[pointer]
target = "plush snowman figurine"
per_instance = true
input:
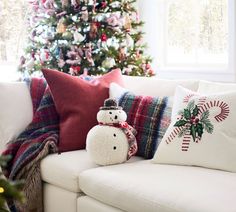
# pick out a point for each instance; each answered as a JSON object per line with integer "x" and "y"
{"x": 112, "y": 141}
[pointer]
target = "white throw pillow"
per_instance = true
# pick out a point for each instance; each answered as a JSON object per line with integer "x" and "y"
{"x": 15, "y": 110}
{"x": 203, "y": 133}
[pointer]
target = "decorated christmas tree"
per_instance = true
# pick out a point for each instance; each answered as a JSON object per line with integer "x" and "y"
{"x": 9, "y": 191}
{"x": 85, "y": 36}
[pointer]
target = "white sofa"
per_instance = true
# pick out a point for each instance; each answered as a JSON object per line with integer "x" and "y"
{"x": 72, "y": 182}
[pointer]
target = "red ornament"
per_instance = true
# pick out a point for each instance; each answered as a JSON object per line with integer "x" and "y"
{"x": 76, "y": 68}
{"x": 98, "y": 24}
{"x": 33, "y": 54}
{"x": 104, "y": 37}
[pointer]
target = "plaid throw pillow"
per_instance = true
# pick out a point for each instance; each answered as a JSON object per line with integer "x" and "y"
{"x": 150, "y": 116}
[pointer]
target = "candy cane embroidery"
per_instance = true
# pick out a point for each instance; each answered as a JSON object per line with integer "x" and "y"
{"x": 194, "y": 120}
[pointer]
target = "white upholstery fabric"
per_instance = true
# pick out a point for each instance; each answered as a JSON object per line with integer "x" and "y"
{"x": 59, "y": 200}
{"x": 16, "y": 110}
{"x": 144, "y": 186}
{"x": 156, "y": 87}
{"x": 87, "y": 204}
{"x": 206, "y": 87}
{"x": 63, "y": 169}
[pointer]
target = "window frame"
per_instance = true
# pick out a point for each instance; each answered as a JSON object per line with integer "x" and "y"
{"x": 157, "y": 47}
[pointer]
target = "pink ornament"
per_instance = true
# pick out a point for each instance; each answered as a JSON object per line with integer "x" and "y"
{"x": 113, "y": 20}
{"x": 61, "y": 63}
{"x": 151, "y": 72}
{"x": 103, "y": 4}
{"x": 148, "y": 66}
{"x": 88, "y": 53}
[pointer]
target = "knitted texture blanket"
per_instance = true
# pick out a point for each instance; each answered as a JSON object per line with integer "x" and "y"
{"x": 38, "y": 140}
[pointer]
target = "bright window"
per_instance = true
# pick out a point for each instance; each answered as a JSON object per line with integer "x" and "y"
{"x": 12, "y": 35}
{"x": 191, "y": 38}
{"x": 197, "y": 33}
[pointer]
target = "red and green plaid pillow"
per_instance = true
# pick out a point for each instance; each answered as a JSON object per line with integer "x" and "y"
{"x": 150, "y": 116}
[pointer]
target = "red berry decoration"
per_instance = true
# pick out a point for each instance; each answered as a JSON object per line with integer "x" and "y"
{"x": 104, "y": 37}
{"x": 76, "y": 68}
{"x": 98, "y": 24}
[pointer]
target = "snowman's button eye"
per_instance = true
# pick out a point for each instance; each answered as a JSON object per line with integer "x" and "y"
{"x": 110, "y": 112}
{"x": 114, "y": 135}
{"x": 114, "y": 147}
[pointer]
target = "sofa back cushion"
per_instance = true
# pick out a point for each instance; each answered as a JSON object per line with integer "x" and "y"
{"x": 207, "y": 87}
{"x": 155, "y": 86}
{"x": 16, "y": 110}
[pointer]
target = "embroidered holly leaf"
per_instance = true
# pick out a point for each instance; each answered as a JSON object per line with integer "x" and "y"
{"x": 199, "y": 129}
{"x": 190, "y": 105}
{"x": 204, "y": 116}
{"x": 193, "y": 132}
{"x": 180, "y": 123}
{"x": 187, "y": 114}
{"x": 195, "y": 111}
{"x": 208, "y": 125}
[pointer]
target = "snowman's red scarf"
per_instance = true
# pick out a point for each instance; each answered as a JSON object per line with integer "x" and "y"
{"x": 130, "y": 133}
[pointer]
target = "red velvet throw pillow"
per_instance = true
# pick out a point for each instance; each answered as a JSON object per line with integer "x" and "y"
{"x": 77, "y": 102}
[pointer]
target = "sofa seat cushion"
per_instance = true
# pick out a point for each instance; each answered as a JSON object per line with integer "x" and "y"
{"x": 63, "y": 169}
{"x": 144, "y": 186}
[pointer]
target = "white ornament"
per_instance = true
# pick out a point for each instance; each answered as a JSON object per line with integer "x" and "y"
{"x": 109, "y": 62}
{"x": 84, "y": 14}
{"x": 129, "y": 41}
{"x": 115, "y": 4}
{"x": 78, "y": 38}
{"x": 127, "y": 70}
{"x": 30, "y": 64}
{"x": 44, "y": 55}
{"x": 107, "y": 143}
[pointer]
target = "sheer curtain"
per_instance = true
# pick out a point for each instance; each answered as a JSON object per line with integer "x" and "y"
{"x": 12, "y": 36}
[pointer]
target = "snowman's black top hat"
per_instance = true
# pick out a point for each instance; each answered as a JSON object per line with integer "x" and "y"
{"x": 110, "y": 104}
